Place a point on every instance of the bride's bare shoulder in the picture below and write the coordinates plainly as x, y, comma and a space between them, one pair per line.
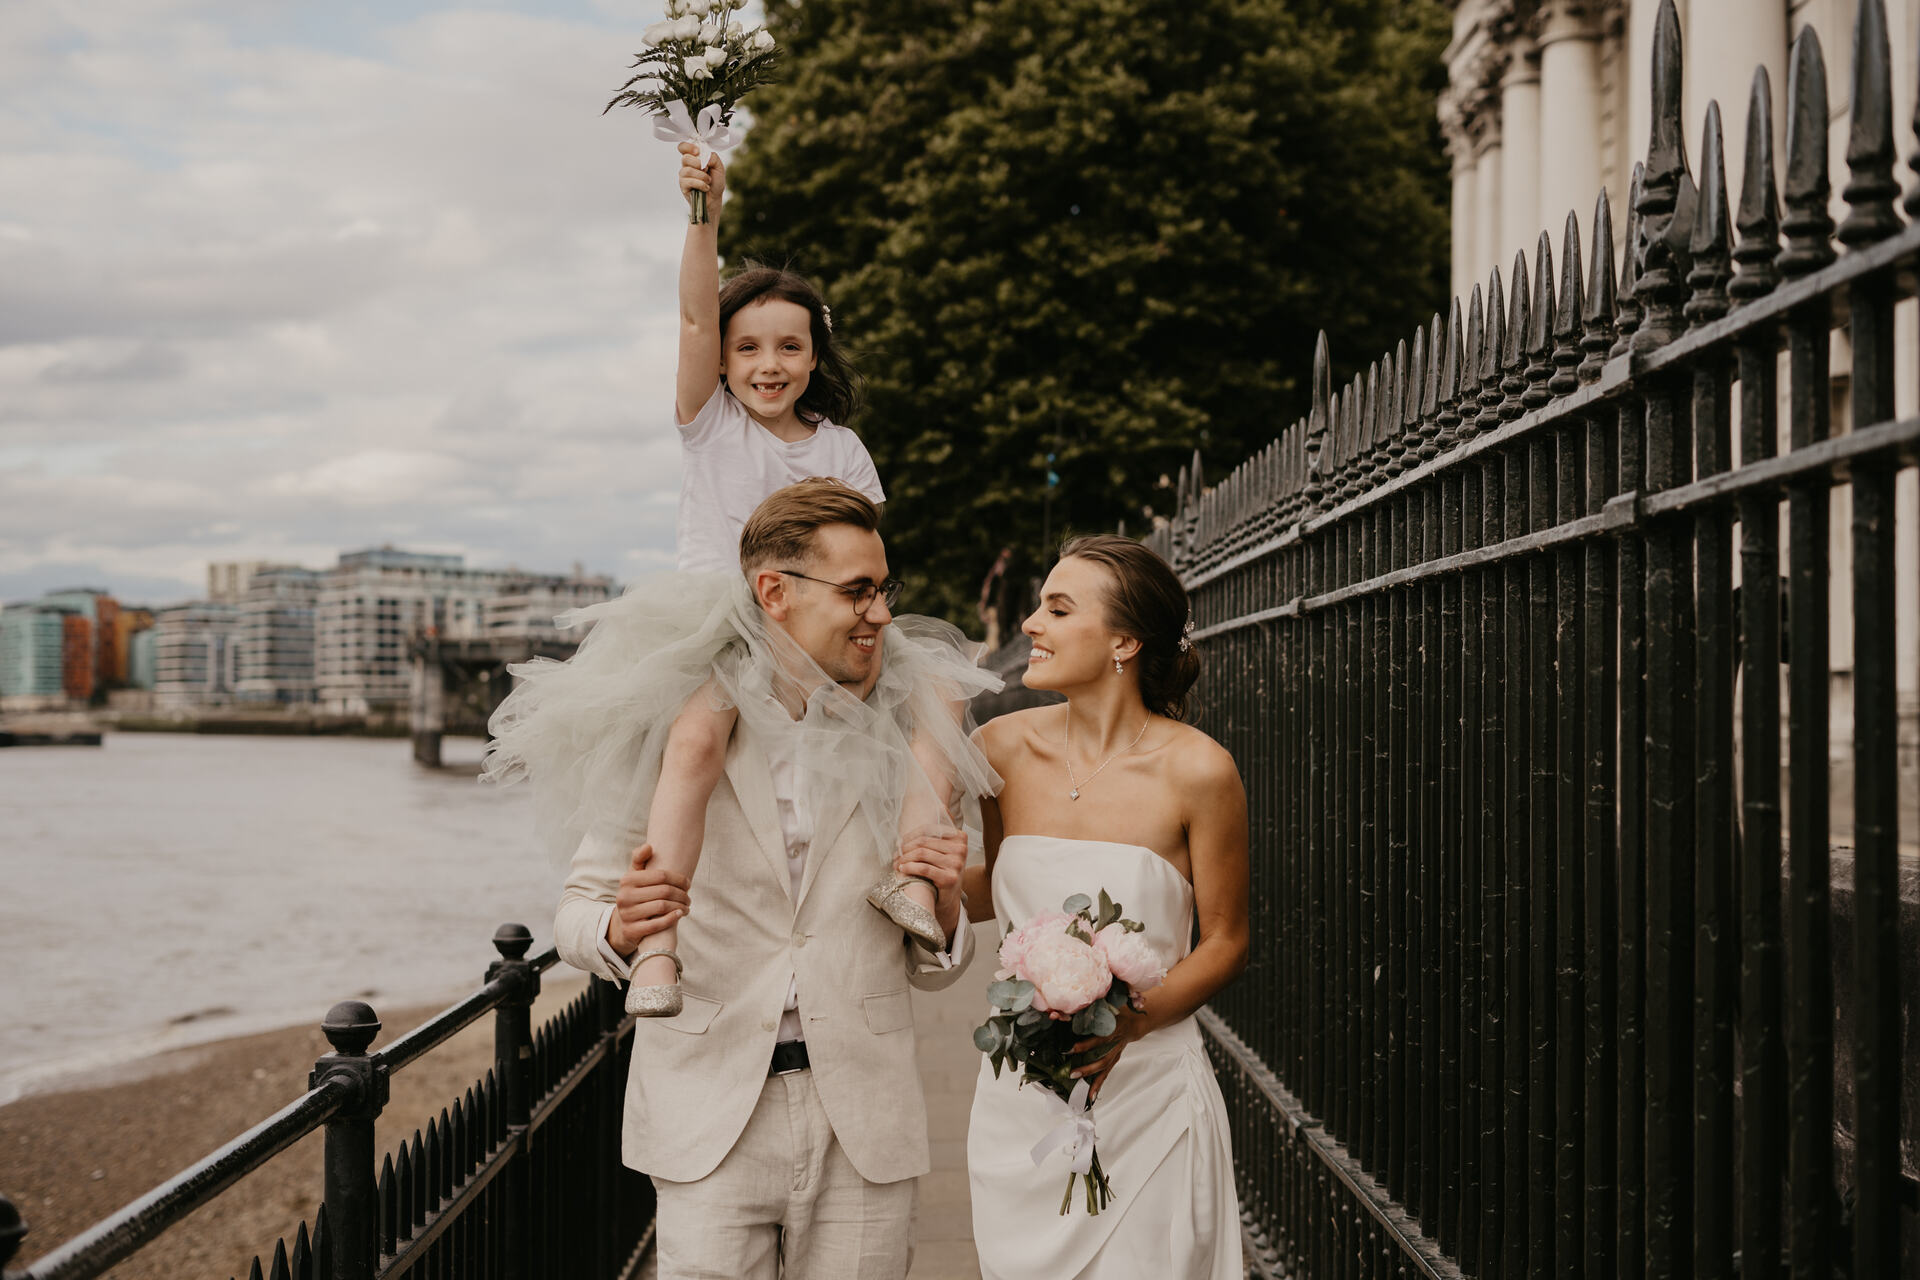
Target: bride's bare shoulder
1200, 762
1006, 738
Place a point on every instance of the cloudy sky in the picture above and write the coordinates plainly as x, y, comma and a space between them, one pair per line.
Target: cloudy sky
283, 278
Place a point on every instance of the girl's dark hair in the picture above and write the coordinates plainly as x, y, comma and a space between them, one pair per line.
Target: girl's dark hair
1148, 603
833, 390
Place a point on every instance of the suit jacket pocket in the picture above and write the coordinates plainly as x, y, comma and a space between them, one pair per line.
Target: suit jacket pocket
695, 1016
889, 1011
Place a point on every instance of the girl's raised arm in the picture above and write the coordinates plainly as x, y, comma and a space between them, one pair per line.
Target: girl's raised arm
699, 371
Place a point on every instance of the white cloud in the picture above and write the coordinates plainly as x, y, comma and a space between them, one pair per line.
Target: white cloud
278, 285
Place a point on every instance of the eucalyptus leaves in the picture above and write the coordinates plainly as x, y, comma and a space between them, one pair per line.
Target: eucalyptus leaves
1063, 977
699, 63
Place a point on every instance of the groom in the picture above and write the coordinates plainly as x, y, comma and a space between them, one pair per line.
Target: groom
780, 1113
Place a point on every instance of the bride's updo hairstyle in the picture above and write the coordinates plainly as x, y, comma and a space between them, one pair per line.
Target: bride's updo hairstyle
1147, 602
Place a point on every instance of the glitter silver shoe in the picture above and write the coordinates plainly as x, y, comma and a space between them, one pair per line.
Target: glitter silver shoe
658, 1001
890, 897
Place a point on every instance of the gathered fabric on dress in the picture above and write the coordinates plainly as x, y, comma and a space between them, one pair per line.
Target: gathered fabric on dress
1160, 1121
589, 733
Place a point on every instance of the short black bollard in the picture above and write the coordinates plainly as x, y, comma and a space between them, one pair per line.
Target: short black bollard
350, 1194
513, 1060
12, 1231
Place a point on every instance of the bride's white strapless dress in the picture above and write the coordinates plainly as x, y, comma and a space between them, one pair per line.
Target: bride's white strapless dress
1160, 1121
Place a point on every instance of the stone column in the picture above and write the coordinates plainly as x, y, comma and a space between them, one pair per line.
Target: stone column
1726, 40
1487, 239
1569, 40
1466, 179
1520, 152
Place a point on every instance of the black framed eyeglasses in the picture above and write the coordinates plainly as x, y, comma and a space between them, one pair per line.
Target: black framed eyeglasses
860, 594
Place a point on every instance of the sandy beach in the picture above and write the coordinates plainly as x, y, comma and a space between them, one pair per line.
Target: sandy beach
68, 1158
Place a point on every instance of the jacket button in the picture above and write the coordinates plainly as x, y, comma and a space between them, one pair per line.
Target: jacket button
799, 939
767, 1026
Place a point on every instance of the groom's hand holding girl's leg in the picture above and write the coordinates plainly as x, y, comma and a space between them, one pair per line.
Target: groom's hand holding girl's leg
939, 858
647, 900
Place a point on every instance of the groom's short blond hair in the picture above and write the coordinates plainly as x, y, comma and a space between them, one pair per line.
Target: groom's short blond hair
781, 529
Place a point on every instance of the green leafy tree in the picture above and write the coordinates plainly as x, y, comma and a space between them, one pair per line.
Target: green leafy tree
1104, 231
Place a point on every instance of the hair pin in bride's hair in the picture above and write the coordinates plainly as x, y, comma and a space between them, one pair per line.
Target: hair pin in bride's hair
1186, 635
826, 316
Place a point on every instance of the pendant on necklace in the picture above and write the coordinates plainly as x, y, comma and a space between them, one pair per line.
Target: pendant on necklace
1074, 794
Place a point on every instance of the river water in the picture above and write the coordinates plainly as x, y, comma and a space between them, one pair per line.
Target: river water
167, 889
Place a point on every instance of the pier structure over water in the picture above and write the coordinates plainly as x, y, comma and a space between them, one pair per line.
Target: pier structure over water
457, 683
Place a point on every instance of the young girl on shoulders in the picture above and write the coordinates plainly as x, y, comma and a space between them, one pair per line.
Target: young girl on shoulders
759, 383
759, 387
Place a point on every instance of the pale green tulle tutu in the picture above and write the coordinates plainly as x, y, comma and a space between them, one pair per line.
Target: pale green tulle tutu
588, 734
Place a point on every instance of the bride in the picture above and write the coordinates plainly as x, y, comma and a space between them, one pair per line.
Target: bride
1112, 791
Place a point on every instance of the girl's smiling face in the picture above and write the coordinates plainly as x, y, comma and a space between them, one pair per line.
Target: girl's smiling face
1072, 645
767, 357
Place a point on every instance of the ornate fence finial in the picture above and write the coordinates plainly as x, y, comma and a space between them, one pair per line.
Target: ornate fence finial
1759, 218
1405, 409
1353, 418
1540, 321
1566, 320
1707, 281
1627, 309
1808, 225
1372, 410
1431, 396
1870, 189
1414, 414
1513, 361
1486, 365
1466, 359
1662, 285
1315, 443
1597, 336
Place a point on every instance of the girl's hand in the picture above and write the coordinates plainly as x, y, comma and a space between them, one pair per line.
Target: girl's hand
1132, 1025
712, 179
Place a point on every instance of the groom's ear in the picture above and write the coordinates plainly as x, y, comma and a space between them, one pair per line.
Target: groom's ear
770, 589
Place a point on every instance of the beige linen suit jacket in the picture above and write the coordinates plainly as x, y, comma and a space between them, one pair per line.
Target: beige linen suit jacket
696, 1076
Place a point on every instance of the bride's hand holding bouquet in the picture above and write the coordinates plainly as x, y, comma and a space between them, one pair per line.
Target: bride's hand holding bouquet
1066, 1000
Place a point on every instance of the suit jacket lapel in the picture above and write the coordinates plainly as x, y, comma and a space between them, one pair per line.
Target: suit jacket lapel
826, 832
748, 772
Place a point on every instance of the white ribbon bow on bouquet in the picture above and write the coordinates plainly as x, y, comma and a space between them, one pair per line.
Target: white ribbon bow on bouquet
709, 134
1074, 1134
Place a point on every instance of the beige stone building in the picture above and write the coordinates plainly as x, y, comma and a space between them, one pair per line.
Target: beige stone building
1548, 101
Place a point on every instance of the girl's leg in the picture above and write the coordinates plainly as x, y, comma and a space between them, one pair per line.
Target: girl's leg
695, 756
909, 901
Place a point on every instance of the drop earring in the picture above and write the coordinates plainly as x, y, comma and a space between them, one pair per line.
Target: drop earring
1118, 669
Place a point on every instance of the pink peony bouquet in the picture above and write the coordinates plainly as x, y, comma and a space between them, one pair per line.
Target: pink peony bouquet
1063, 976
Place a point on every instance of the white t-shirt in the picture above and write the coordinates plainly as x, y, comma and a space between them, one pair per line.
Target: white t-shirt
732, 464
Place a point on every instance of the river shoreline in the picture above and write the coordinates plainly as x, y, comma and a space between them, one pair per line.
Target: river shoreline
71, 1156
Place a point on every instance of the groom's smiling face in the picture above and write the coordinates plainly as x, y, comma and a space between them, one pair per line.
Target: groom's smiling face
822, 620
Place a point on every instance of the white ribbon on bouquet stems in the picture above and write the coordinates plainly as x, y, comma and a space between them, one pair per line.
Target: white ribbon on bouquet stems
1074, 1134
707, 133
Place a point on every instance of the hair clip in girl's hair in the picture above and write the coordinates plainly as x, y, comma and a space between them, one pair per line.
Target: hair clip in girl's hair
1186, 635
826, 316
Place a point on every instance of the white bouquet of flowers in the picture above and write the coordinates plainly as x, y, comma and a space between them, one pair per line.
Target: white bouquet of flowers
699, 63
1062, 976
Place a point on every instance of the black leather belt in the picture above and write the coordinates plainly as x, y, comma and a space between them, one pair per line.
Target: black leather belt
788, 1056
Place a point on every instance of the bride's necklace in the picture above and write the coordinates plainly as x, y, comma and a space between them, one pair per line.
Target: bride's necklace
1074, 792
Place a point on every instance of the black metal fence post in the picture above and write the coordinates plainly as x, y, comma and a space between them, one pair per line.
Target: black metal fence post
13, 1229
350, 1193
513, 1060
